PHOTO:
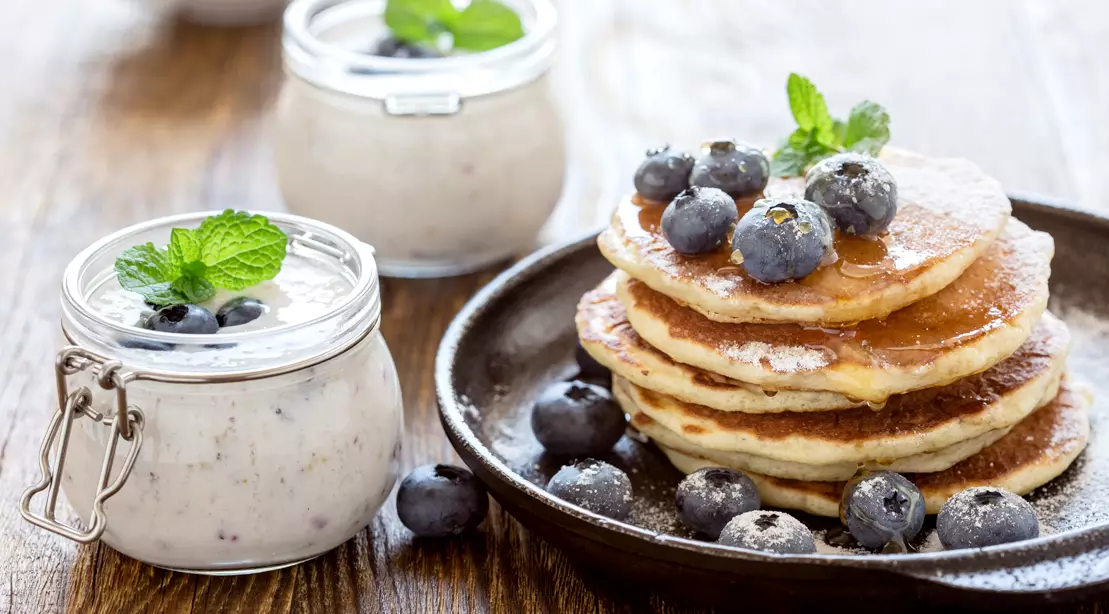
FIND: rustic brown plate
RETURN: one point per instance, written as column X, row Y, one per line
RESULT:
column 517, row 335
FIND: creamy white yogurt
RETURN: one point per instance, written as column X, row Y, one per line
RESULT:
column 254, row 474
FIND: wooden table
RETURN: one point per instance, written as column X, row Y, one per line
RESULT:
column 110, row 113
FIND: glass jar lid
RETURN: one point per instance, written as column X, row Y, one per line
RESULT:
column 330, row 44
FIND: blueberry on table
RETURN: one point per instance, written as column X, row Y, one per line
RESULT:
column 185, row 319
column 856, row 190
column 708, row 498
column 392, row 47
column 663, row 174
column 737, row 168
column 985, row 516
column 589, row 368
column 577, row 419
column 769, row 532
column 881, row 508
column 781, row 239
column 441, row 500
column 595, row 485
column 698, row 220
column 239, row 310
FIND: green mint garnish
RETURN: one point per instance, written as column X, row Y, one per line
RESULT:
column 481, row 26
column 819, row 135
column 233, row 250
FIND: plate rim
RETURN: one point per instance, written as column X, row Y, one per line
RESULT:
column 929, row 566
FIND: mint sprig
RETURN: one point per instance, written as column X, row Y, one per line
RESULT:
column 233, row 250
column 819, row 135
column 481, row 26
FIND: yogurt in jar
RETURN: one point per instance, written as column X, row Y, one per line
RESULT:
column 264, row 444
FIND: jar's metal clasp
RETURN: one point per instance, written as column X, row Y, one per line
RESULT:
column 127, row 423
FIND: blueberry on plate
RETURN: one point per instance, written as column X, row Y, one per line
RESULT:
column 737, row 168
column 663, row 174
column 708, row 498
column 769, row 532
column 185, row 319
column 985, row 516
column 441, row 500
column 577, row 419
column 880, row 508
column 781, row 239
column 856, row 190
column 595, row 485
column 392, row 47
column 589, row 368
column 239, row 310
column 698, row 220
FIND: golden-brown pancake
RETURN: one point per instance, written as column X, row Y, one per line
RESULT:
column 1033, row 453
column 911, row 423
column 965, row 328
column 949, row 212
column 605, row 333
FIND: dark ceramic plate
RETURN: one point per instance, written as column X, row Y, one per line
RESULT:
column 517, row 335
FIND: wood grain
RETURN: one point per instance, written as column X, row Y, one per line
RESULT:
column 112, row 113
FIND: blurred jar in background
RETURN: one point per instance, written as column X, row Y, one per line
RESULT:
column 229, row 12
column 444, row 165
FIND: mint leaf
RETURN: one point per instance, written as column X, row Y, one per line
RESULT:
column 809, row 109
column 193, row 289
column 840, row 130
column 419, row 21
column 146, row 270
column 484, row 25
column 868, row 128
column 240, row 250
column 799, row 151
column 184, row 247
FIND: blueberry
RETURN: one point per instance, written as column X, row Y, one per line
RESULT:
column 441, row 500
column 239, row 310
column 589, row 368
column 595, row 485
column 698, row 220
column 392, row 47
column 663, row 174
column 737, row 168
column 857, row 192
column 708, row 498
column 769, row 532
column 985, row 516
column 145, row 344
column 187, row 319
column 781, row 239
column 577, row 419
column 881, row 508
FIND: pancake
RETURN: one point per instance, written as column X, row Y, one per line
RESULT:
column 912, row 423
column 1032, row 454
column 965, row 328
column 605, row 333
column 949, row 212
column 740, row 461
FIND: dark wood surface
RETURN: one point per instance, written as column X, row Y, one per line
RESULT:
column 111, row 113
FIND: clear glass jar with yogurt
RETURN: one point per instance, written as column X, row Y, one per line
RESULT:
column 257, row 447
column 444, row 165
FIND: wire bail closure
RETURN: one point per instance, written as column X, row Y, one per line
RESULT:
column 127, row 423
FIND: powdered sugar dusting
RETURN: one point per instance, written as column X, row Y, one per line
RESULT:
column 780, row 358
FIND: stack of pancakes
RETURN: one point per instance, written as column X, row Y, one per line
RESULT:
column 927, row 351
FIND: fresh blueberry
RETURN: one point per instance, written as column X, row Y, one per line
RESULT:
column 856, row 190
column 985, row 516
column 145, row 344
column 881, row 508
column 698, row 220
column 577, row 419
column 392, row 47
column 708, row 498
column 239, row 310
column 441, row 500
column 590, row 369
column 595, row 485
column 781, row 239
column 663, row 174
column 737, row 168
column 186, row 319
column 769, row 532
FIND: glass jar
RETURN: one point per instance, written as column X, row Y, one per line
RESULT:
column 228, row 453
column 444, row 165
